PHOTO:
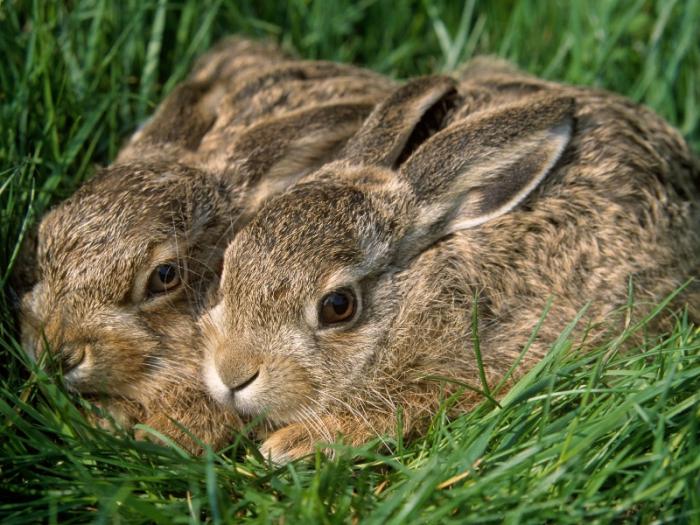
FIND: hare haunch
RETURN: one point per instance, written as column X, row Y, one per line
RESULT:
column 346, row 295
column 123, row 267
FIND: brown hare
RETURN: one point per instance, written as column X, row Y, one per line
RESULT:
column 122, row 269
column 345, row 296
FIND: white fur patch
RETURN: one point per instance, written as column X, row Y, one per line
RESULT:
column 217, row 388
column 245, row 399
column 76, row 375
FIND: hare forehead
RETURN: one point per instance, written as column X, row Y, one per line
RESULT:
column 92, row 263
column 107, row 226
column 86, row 249
column 314, row 218
column 69, row 289
column 291, row 265
column 87, row 226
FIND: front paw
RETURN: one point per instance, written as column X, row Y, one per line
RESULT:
column 289, row 443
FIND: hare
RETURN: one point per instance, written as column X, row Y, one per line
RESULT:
column 124, row 267
column 345, row 296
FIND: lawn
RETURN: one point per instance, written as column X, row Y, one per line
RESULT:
column 602, row 436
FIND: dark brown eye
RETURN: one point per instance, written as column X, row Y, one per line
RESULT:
column 337, row 307
column 165, row 278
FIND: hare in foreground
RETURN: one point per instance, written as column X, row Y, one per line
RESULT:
column 123, row 267
column 346, row 295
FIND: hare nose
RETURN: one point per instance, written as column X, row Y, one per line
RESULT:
column 237, row 373
column 240, row 386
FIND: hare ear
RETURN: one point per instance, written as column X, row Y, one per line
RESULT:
column 483, row 166
column 274, row 154
column 180, row 123
column 388, row 130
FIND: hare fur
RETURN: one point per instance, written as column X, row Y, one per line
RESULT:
column 346, row 294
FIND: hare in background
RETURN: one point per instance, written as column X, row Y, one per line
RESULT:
column 343, row 297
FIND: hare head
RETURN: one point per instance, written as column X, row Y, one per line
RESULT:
column 122, row 267
column 311, row 287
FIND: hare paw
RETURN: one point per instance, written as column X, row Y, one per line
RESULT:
column 289, row 443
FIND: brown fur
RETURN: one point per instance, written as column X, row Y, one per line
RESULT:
column 524, row 191
column 178, row 192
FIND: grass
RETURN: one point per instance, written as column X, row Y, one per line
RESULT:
column 600, row 436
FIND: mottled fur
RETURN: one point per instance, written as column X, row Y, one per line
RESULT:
column 237, row 131
column 520, row 192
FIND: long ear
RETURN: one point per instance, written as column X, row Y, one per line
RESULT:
column 270, row 156
column 188, row 112
column 483, row 166
column 388, row 130
column 499, row 77
column 183, row 117
column 234, row 54
column 276, row 74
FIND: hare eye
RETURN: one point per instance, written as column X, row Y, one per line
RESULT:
column 164, row 278
column 337, row 307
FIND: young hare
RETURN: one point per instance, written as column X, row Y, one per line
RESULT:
column 345, row 296
column 122, row 269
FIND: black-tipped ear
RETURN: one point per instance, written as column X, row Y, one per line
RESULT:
column 485, row 165
column 388, row 130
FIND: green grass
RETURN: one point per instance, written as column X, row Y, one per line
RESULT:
column 598, row 437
